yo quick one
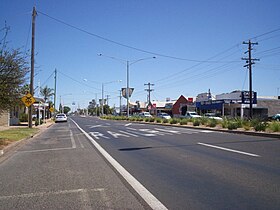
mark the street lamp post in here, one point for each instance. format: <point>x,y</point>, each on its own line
<point>102,89</point>
<point>128,63</point>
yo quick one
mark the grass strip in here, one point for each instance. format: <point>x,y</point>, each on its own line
<point>15,134</point>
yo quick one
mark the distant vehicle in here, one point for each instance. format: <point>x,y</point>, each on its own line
<point>192,115</point>
<point>145,115</point>
<point>276,117</point>
<point>213,116</point>
<point>164,115</point>
<point>60,118</point>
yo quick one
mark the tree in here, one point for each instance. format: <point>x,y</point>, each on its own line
<point>66,109</point>
<point>13,69</point>
<point>47,92</point>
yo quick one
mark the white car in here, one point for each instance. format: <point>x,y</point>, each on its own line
<point>61,118</point>
<point>192,115</point>
<point>164,115</point>
<point>145,115</point>
<point>213,116</point>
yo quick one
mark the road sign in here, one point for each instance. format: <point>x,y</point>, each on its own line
<point>51,109</point>
<point>28,99</point>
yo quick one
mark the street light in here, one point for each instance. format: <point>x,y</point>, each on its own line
<point>102,103</point>
<point>128,63</point>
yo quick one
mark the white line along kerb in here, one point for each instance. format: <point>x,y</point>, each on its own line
<point>230,150</point>
<point>150,199</point>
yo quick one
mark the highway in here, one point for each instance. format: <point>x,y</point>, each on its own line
<point>89,163</point>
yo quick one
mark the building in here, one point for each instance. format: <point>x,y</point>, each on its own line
<point>182,105</point>
<point>233,104</point>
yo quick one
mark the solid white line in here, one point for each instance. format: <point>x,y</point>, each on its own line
<point>230,150</point>
<point>128,124</point>
<point>150,199</point>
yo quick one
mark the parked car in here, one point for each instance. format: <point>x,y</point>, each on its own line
<point>276,117</point>
<point>213,116</point>
<point>60,118</point>
<point>145,114</point>
<point>164,115</point>
<point>192,115</point>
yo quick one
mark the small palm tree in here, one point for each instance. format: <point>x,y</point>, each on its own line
<point>47,93</point>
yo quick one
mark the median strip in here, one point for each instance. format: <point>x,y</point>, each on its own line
<point>230,150</point>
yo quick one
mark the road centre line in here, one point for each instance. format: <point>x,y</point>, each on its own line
<point>230,150</point>
<point>128,124</point>
<point>150,199</point>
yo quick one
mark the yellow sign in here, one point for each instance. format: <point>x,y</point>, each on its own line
<point>28,99</point>
<point>51,109</point>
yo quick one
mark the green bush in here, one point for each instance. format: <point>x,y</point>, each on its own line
<point>151,119</point>
<point>274,126</point>
<point>184,121</point>
<point>212,123</point>
<point>261,126</point>
<point>173,121</point>
<point>23,117</point>
<point>147,119</point>
<point>196,122</point>
<point>158,120</point>
<point>165,121</point>
<point>204,120</point>
<point>232,125</point>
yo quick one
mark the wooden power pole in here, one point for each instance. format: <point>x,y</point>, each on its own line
<point>34,13</point>
<point>250,62</point>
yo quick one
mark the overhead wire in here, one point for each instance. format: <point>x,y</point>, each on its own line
<point>125,45</point>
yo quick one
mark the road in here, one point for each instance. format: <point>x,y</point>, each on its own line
<point>194,169</point>
<point>90,163</point>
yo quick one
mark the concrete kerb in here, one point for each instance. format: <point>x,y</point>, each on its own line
<point>16,144</point>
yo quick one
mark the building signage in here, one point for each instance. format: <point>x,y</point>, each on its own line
<point>245,97</point>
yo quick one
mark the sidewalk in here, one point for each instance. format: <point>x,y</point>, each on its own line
<point>15,144</point>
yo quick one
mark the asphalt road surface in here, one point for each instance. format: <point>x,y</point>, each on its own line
<point>90,163</point>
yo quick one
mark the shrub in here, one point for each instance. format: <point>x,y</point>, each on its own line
<point>184,121</point>
<point>204,120</point>
<point>165,121</point>
<point>212,123</point>
<point>147,119</point>
<point>232,125</point>
<point>261,126</point>
<point>23,117</point>
<point>246,125</point>
<point>152,119</point>
<point>173,121</point>
<point>274,126</point>
<point>158,120</point>
<point>196,122</point>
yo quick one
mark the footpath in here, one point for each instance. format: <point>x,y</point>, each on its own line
<point>12,146</point>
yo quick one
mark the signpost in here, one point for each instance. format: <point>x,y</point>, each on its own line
<point>28,100</point>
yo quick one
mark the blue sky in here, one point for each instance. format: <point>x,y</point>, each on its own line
<point>197,44</point>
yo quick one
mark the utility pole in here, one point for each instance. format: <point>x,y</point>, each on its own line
<point>149,92</point>
<point>250,62</point>
<point>120,102</point>
<point>55,77</point>
<point>107,102</point>
<point>34,13</point>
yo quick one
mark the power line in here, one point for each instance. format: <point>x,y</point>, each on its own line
<point>125,45</point>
